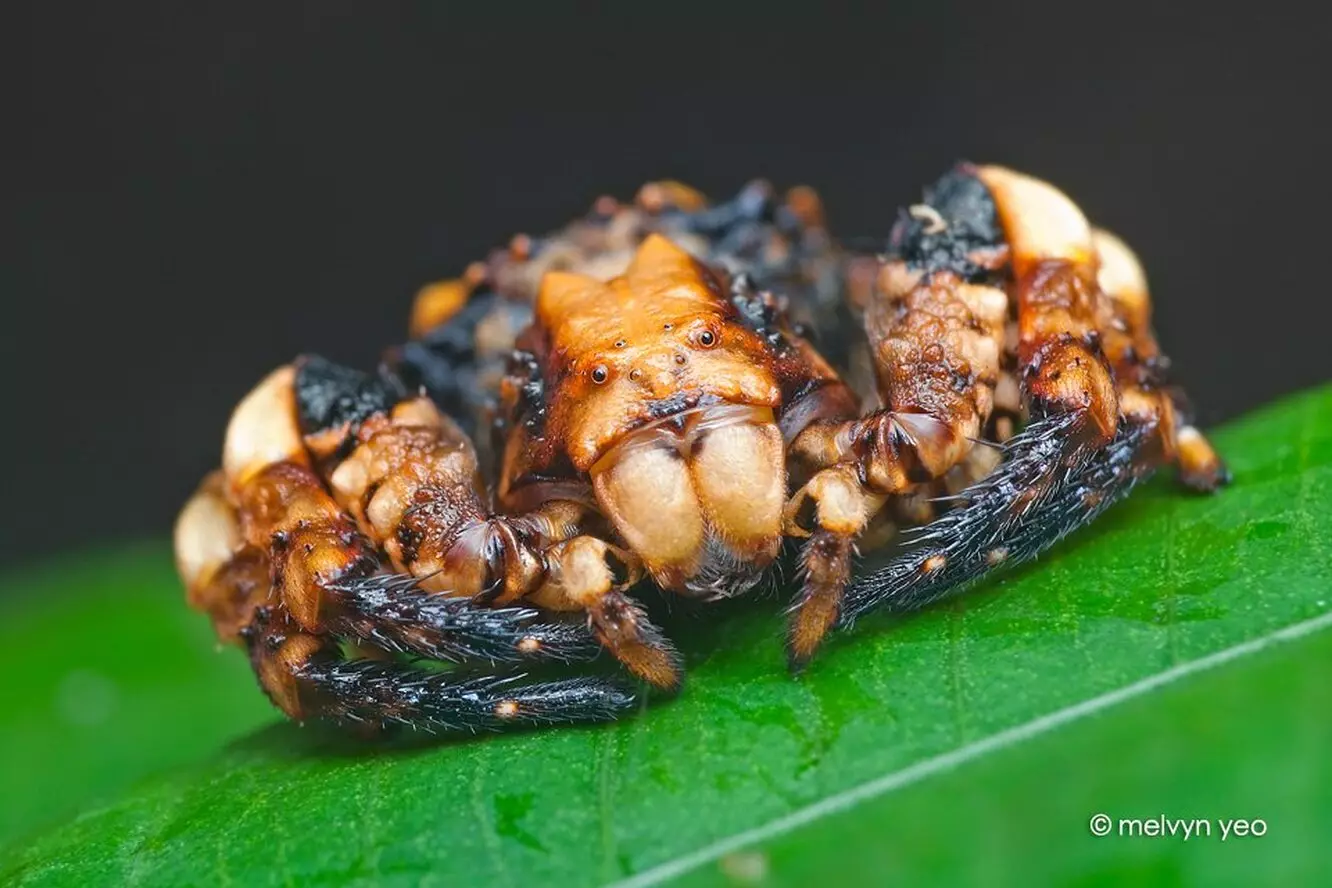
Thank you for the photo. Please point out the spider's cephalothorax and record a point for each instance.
(656, 411)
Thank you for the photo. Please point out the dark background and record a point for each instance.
(201, 194)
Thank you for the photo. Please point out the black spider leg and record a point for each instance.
(311, 679)
(391, 612)
(1048, 486)
(383, 693)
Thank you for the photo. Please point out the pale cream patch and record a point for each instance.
(741, 483)
(1121, 276)
(1008, 393)
(206, 534)
(895, 280)
(351, 479)
(1120, 269)
(263, 428)
(577, 576)
(1138, 404)
(840, 508)
(418, 412)
(387, 506)
(988, 304)
(981, 352)
(1040, 221)
(844, 507)
(650, 499)
(939, 446)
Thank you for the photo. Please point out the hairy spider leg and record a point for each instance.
(618, 621)
(412, 482)
(935, 325)
(307, 676)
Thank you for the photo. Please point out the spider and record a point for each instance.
(654, 404)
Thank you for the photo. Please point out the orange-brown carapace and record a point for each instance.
(665, 401)
(664, 391)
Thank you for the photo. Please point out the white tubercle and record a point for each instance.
(1040, 221)
(650, 498)
(263, 428)
(205, 536)
(1120, 273)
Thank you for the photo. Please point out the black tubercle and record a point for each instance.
(532, 395)
(330, 396)
(755, 204)
(759, 312)
(448, 365)
(739, 230)
(661, 408)
(967, 221)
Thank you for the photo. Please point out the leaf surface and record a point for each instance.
(138, 755)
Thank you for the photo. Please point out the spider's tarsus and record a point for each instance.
(622, 626)
(825, 565)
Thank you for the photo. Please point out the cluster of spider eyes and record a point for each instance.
(706, 338)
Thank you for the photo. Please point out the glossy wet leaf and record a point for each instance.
(134, 754)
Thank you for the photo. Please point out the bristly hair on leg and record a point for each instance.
(825, 565)
(1048, 486)
(392, 612)
(621, 624)
(360, 692)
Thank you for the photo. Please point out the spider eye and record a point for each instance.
(707, 339)
(600, 374)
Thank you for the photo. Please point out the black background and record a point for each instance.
(204, 190)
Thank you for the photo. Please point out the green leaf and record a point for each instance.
(1170, 661)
